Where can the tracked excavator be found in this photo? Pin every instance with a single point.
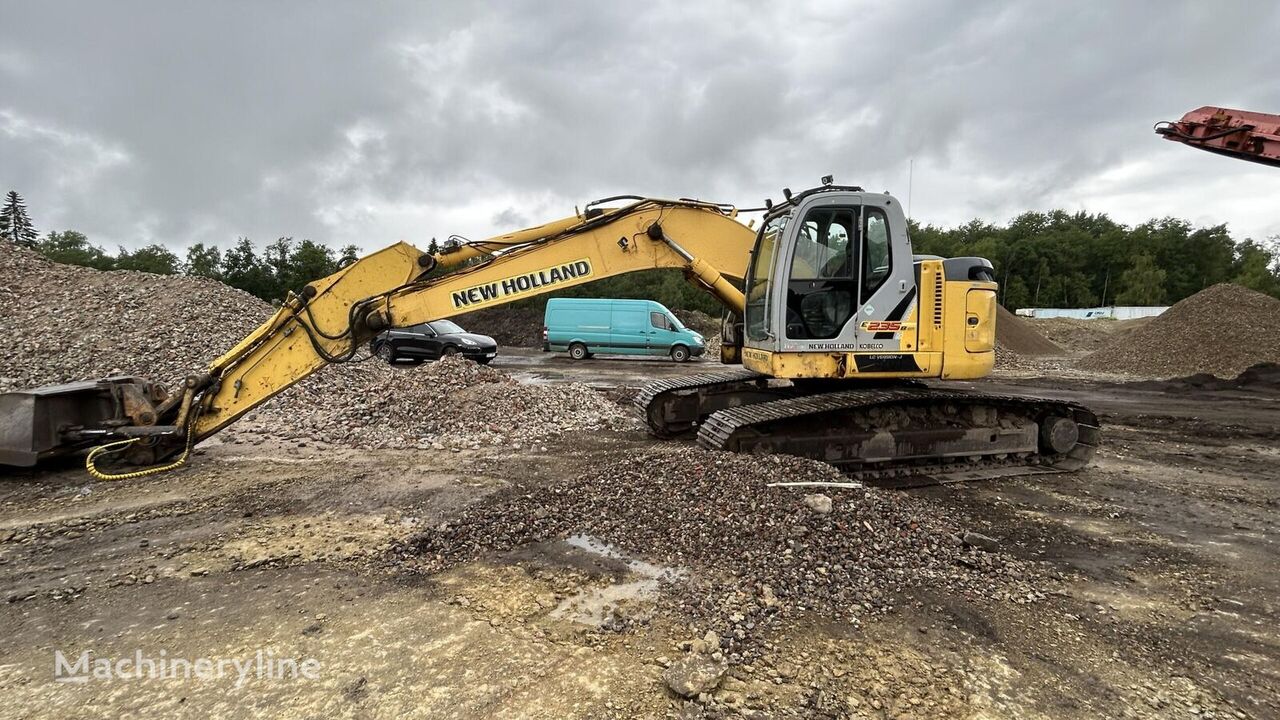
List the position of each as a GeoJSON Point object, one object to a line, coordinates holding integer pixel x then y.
{"type": "Point", "coordinates": [838, 329]}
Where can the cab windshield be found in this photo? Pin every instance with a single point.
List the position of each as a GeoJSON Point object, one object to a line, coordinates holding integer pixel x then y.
{"type": "Point", "coordinates": [758, 320]}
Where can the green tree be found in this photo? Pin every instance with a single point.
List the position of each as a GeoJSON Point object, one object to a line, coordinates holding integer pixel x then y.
{"type": "Point", "coordinates": [275, 258]}
{"type": "Point", "coordinates": [307, 262]}
{"type": "Point", "coordinates": [73, 248]}
{"type": "Point", "coordinates": [203, 261]}
{"type": "Point", "coordinates": [154, 258]}
{"type": "Point", "coordinates": [243, 269]}
{"type": "Point", "coordinates": [15, 225]}
{"type": "Point", "coordinates": [1142, 283]}
{"type": "Point", "coordinates": [1257, 266]}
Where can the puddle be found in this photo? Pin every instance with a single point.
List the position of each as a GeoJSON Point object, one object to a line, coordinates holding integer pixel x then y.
{"type": "Point", "coordinates": [618, 602]}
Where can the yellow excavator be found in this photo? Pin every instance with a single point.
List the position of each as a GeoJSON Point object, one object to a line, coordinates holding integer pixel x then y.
{"type": "Point", "coordinates": [835, 323]}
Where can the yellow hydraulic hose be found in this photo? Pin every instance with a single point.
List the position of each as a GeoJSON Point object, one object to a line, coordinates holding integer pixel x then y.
{"type": "Point", "coordinates": [92, 469]}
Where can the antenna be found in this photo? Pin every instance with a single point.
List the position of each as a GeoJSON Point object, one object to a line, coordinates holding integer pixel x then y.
{"type": "Point", "coordinates": [911, 171]}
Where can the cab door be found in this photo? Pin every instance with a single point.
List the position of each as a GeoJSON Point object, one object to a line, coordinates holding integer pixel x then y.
{"type": "Point", "coordinates": [662, 334]}
{"type": "Point", "coordinates": [887, 293]}
{"type": "Point", "coordinates": [822, 275]}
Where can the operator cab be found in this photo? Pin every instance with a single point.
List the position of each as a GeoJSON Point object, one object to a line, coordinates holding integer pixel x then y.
{"type": "Point", "coordinates": [831, 270]}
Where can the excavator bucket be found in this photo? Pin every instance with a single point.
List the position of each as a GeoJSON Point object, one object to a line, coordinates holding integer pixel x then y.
{"type": "Point", "coordinates": [46, 422]}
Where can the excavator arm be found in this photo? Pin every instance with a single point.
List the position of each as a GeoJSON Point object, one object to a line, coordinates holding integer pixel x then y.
{"type": "Point", "coordinates": [1239, 134]}
{"type": "Point", "coordinates": [332, 320]}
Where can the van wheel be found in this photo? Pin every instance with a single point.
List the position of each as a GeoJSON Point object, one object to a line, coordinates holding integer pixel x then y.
{"type": "Point", "coordinates": [680, 353]}
{"type": "Point", "coordinates": [578, 351]}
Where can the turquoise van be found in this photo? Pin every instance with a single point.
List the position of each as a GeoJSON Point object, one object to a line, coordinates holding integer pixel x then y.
{"type": "Point", "coordinates": [584, 326]}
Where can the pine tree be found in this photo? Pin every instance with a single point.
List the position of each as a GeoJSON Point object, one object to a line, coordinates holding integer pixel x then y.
{"type": "Point", "coordinates": [15, 226]}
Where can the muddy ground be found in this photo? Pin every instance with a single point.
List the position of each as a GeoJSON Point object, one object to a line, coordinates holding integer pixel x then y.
{"type": "Point", "coordinates": [1164, 603]}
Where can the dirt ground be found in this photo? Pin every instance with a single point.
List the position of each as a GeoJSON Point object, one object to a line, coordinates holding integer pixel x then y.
{"type": "Point", "coordinates": [1164, 554]}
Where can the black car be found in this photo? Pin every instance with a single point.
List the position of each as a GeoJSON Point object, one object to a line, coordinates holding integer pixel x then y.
{"type": "Point", "coordinates": [432, 341]}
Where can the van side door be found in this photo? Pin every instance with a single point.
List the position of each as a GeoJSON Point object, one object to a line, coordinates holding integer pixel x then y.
{"type": "Point", "coordinates": [629, 334]}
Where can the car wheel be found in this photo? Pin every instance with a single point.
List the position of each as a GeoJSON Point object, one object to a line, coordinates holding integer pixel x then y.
{"type": "Point", "coordinates": [384, 351]}
{"type": "Point", "coordinates": [578, 351]}
{"type": "Point", "coordinates": [448, 350]}
{"type": "Point", "coordinates": [680, 353]}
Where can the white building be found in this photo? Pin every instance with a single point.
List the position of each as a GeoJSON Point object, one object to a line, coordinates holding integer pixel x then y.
{"type": "Point", "coordinates": [1115, 312]}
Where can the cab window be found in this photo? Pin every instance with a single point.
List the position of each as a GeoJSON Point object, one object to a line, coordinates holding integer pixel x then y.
{"type": "Point", "coordinates": [823, 280]}
{"type": "Point", "coordinates": [659, 321]}
{"type": "Point", "coordinates": [875, 251]}
{"type": "Point", "coordinates": [822, 245]}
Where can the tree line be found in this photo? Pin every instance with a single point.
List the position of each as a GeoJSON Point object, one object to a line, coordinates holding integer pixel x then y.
{"type": "Point", "coordinates": [283, 265]}
{"type": "Point", "coordinates": [1061, 259]}
{"type": "Point", "coordinates": [1041, 259]}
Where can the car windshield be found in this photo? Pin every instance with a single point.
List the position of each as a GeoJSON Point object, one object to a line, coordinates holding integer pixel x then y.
{"type": "Point", "coordinates": [445, 327]}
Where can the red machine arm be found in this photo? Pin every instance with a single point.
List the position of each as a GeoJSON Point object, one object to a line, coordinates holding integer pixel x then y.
{"type": "Point", "coordinates": [1235, 133]}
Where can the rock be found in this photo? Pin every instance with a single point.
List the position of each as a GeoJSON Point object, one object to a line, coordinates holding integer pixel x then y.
{"type": "Point", "coordinates": [693, 675]}
{"type": "Point", "coordinates": [820, 504]}
{"type": "Point", "coordinates": [980, 541]}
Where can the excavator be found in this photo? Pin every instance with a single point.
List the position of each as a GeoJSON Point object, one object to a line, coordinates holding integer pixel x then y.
{"type": "Point", "coordinates": [838, 328]}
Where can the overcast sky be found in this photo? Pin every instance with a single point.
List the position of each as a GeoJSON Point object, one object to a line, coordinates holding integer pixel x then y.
{"type": "Point", "coordinates": [367, 123]}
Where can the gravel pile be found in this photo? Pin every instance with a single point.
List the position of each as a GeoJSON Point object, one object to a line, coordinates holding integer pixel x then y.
{"type": "Point", "coordinates": [1015, 336]}
{"type": "Point", "coordinates": [699, 322]}
{"type": "Point", "coordinates": [71, 323]}
{"type": "Point", "coordinates": [713, 347]}
{"type": "Point", "coordinates": [1083, 336]}
{"type": "Point", "coordinates": [67, 323]}
{"type": "Point", "coordinates": [510, 326]}
{"type": "Point", "coordinates": [452, 403]}
{"type": "Point", "coordinates": [756, 554]}
{"type": "Point", "coordinates": [1221, 330]}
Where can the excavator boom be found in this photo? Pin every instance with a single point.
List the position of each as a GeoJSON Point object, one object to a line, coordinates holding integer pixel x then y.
{"type": "Point", "coordinates": [1240, 134]}
{"type": "Point", "coordinates": [332, 320]}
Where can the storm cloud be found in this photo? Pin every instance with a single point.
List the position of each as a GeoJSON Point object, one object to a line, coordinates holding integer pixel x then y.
{"type": "Point", "coordinates": [368, 123]}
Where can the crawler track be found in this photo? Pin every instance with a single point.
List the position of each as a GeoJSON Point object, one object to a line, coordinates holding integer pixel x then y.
{"type": "Point", "coordinates": [898, 436]}
{"type": "Point", "coordinates": [675, 407]}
